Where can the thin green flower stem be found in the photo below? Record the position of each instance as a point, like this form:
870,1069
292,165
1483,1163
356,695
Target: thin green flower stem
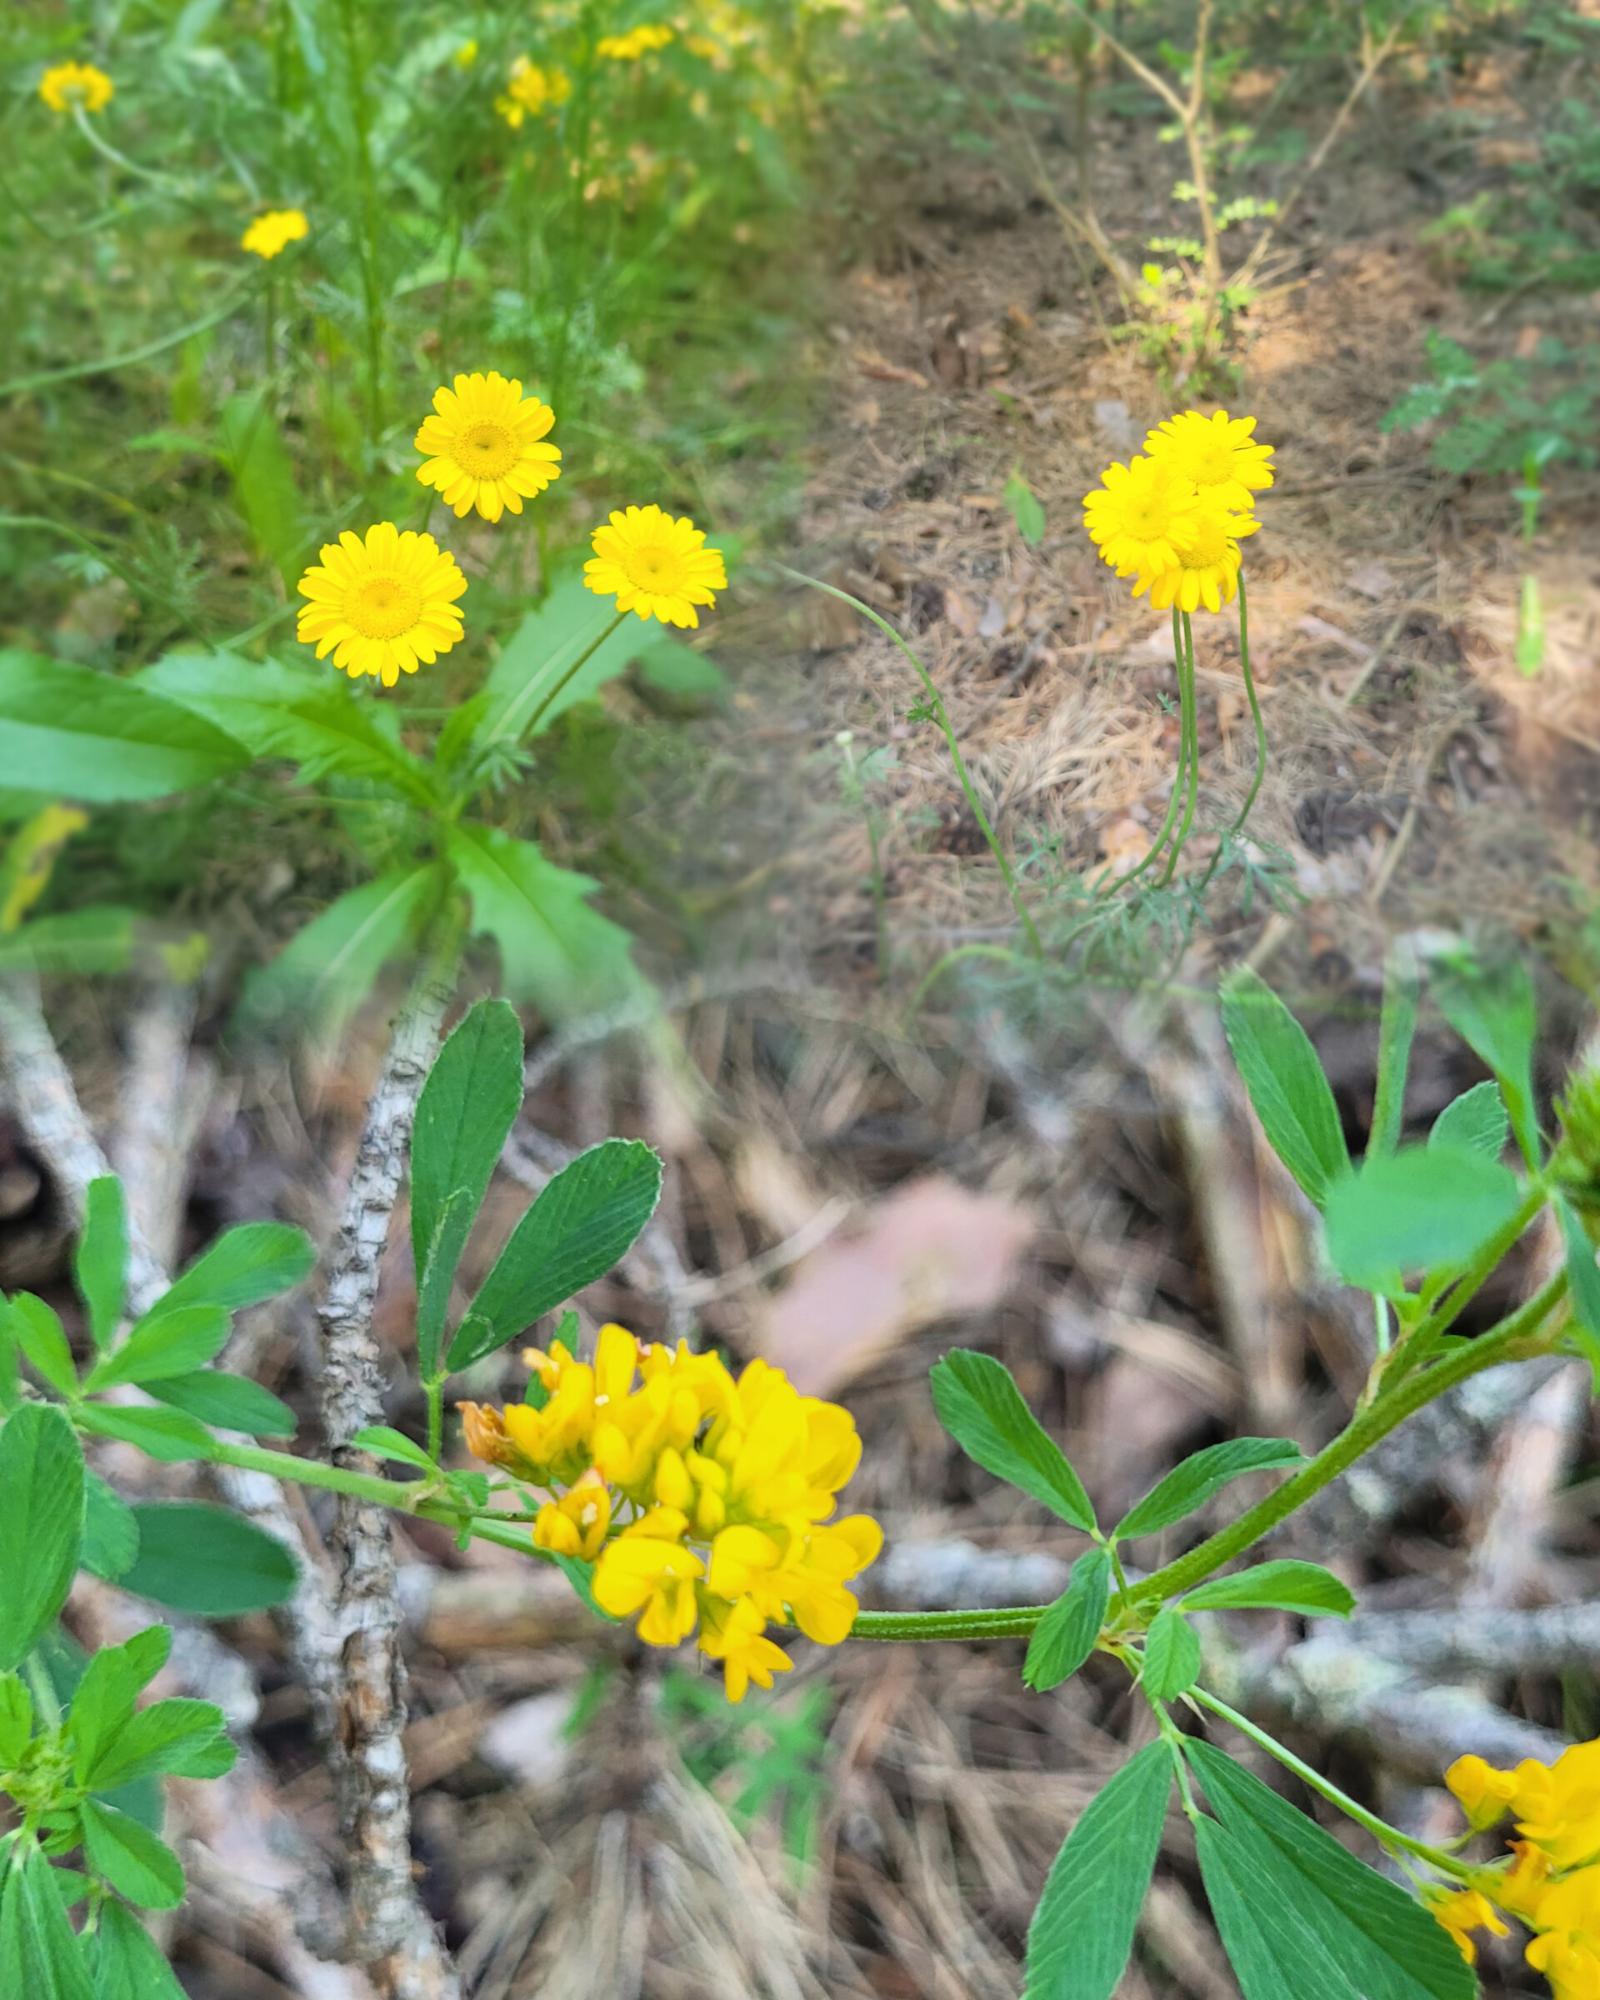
111,363
1255,711
371,287
1380,1829
1190,732
1369,1428
1153,853
1505,1342
954,958
82,120
941,716
583,659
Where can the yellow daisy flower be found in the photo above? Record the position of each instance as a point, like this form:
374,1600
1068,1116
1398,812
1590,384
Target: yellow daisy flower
655,566
530,90
272,233
1218,453
635,43
1208,572
73,83
381,603
1142,516
484,446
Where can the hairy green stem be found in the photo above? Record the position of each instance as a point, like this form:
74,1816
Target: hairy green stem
1505,1342
941,716
1255,711
1190,736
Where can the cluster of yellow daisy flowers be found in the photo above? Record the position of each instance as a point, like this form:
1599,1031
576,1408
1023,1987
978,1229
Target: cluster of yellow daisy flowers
702,1498
385,602
1551,1881
1174,516
531,90
70,85
635,43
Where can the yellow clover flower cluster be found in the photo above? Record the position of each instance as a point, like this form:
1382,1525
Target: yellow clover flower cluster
384,603
531,90
1551,1880
635,43
69,85
702,1498
1174,516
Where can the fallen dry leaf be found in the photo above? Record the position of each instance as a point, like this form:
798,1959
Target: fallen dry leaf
934,1250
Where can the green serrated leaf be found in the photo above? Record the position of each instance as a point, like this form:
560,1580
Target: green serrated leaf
110,1533
98,939
1191,1484
227,1403
384,1442
41,1524
982,1408
1494,1011
1082,1932
327,969
576,1230
200,1558
84,735
1583,1278
169,1340
1064,1637
1475,1122
103,1701
40,1955
126,1961
38,1332
555,951
169,1435
528,688
1171,1656
100,1265
315,722
1382,1940
178,1739
263,479
464,1115
1425,1208
1397,1027
255,1261
16,1721
1275,1586
1272,1959
135,1862
1287,1087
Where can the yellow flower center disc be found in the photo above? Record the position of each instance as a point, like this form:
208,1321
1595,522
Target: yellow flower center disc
486,451
384,607
651,568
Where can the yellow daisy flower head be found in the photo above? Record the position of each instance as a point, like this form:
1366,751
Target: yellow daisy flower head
270,234
1142,516
70,84
635,43
381,603
530,90
1218,454
1208,574
485,447
655,566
